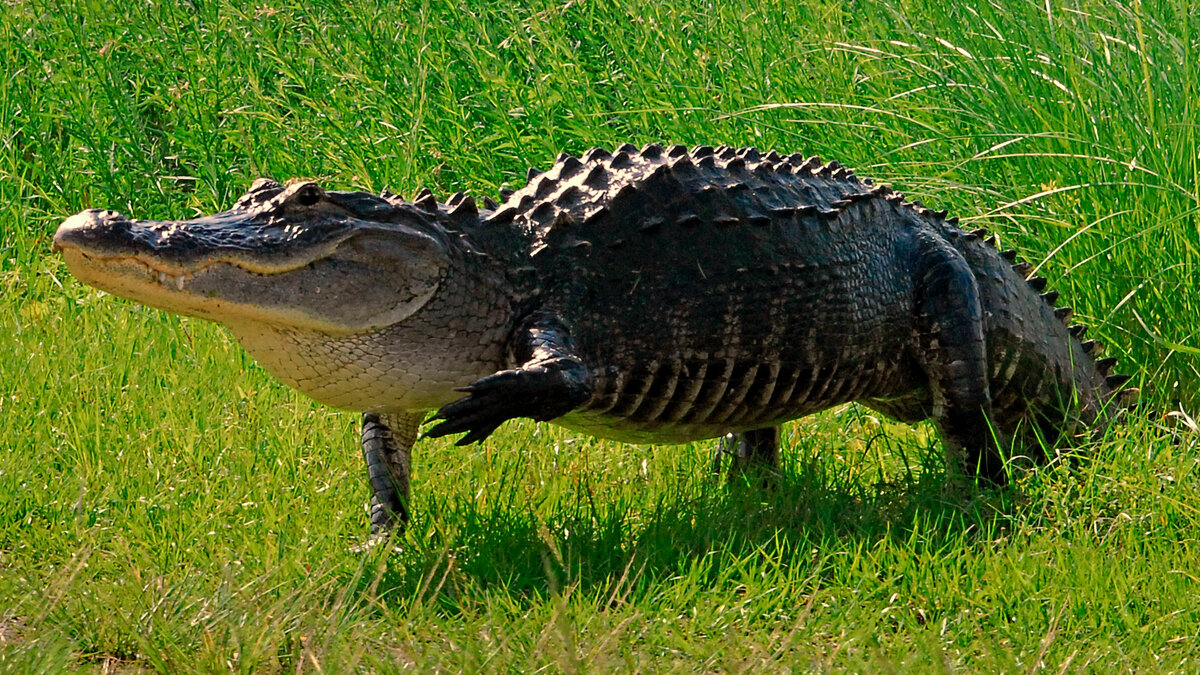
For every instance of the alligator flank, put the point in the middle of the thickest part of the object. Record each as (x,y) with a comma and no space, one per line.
(659,295)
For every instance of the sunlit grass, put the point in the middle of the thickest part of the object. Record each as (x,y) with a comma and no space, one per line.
(166,505)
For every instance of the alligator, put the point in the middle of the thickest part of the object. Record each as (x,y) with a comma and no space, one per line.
(653,295)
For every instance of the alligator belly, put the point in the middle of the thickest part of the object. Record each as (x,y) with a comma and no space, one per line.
(677,402)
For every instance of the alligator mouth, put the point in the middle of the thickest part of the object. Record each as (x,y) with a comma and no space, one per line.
(170,279)
(129,276)
(169,275)
(202,291)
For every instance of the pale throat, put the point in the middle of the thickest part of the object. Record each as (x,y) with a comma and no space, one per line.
(348,372)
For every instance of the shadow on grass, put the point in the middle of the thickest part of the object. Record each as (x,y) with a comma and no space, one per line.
(618,548)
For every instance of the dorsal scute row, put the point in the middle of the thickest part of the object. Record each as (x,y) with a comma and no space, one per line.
(589,190)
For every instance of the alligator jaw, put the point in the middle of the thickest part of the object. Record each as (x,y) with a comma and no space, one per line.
(113,253)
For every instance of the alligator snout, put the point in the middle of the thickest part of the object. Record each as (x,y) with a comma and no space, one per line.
(89,228)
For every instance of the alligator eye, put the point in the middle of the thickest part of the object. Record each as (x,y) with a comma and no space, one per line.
(309,195)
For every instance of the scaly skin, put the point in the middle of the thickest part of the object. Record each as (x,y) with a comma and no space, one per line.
(658,295)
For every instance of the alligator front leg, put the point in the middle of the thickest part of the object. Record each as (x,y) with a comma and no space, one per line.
(387,441)
(551,381)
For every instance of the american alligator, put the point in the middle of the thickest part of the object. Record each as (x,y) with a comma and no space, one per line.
(659,295)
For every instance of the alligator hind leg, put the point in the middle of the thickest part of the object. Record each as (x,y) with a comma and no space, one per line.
(951,349)
(387,441)
(752,450)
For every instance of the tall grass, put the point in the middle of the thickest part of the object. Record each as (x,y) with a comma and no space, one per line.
(165,505)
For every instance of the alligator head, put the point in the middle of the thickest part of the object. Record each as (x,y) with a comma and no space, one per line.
(336,263)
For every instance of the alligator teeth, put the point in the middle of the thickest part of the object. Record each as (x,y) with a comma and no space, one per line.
(172,279)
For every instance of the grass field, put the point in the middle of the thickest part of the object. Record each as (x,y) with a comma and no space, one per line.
(166,506)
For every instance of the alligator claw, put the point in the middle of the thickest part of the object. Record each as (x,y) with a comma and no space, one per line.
(459,417)
(490,402)
(477,435)
(541,392)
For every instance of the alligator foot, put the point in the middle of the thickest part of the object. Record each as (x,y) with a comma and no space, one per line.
(541,391)
(373,542)
(754,451)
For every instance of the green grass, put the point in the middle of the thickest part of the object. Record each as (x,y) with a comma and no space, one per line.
(166,506)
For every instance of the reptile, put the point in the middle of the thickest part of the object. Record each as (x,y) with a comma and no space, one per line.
(652,295)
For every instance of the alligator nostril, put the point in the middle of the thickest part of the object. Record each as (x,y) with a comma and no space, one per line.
(308,195)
